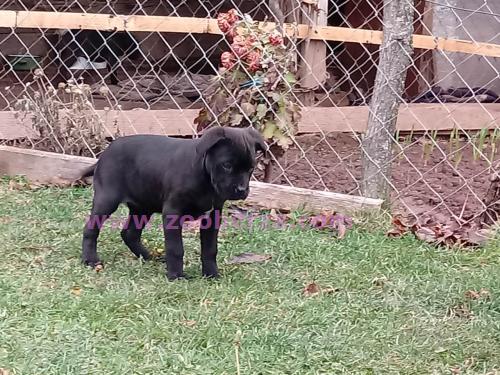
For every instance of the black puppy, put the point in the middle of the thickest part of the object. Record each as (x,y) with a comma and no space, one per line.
(174,177)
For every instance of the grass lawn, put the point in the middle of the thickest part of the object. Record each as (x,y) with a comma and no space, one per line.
(401,306)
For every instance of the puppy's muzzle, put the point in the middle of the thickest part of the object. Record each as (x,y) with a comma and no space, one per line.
(241,192)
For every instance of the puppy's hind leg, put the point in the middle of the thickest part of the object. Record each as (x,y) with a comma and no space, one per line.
(131,234)
(102,208)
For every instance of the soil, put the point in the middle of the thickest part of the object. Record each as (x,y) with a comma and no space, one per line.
(435,184)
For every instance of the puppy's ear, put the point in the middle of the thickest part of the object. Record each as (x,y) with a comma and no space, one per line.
(260,143)
(210,139)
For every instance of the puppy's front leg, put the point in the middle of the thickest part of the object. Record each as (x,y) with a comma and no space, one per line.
(174,248)
(209,230)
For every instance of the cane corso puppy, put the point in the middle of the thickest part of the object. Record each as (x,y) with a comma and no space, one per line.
(179,178)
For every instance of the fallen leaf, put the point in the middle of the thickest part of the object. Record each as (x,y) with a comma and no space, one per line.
(472,294)
(379,281)
(311,289)
(15,185)
(485,293)
(426,235)
(38,260)
(4,371)
(330,290)
(248,258)
(99,268)
(60,182)
(5,219)
(341,230)
(188,323)
(460,311)
(76,291)
(469,362)
(158,251)
(479,237)
(477,295)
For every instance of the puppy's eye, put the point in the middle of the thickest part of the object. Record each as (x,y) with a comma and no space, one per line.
(227,166)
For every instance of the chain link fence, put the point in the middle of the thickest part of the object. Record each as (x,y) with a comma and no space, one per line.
(445,148)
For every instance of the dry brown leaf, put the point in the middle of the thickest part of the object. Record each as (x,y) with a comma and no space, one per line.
(460,311)
(479,237)
(188,323)
(248,258)
(76,291)
(60,182)
(311,289)
(472,294)
(426,235)
(477,295)
(330,290)
(379,281)
(341,230)
(99,268)
(16,185)
(5,219)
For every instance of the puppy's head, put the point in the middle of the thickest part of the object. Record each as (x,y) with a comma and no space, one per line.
(229,157)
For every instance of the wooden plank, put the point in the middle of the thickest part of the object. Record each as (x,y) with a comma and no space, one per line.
(412,117)
(169,24)
(49,167)
(416,117)
(291,198)
(8,18)
(426,62)
(41,166)
(312,70)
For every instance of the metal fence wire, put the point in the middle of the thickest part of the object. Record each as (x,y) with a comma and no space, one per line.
(445,149)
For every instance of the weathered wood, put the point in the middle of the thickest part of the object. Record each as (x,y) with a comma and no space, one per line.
(292,198)
(169,24)
(395,59)
(312,70)
(426,60)
(47,167)
(412,117)
(40,165)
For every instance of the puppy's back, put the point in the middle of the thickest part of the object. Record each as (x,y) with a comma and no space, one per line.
(139,159)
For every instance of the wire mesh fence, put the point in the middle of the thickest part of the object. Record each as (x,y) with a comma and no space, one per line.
(92,85)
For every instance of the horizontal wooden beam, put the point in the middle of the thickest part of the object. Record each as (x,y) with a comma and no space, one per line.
(168,24)
(47,167)
(174,122)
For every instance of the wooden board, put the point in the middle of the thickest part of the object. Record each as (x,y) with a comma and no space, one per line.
(48,167)
(312,71)
(168,24)
(412,117)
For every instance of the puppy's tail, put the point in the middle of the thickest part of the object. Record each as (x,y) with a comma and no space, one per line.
(88,172)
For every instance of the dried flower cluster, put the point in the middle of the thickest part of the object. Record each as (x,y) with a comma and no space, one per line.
(256,83)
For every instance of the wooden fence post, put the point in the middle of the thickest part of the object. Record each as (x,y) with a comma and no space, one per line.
(312,69)
(395,58)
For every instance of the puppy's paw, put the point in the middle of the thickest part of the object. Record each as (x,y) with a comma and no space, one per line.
(177,276)
(145,257)
(210,272)
(95,264)
(211,275)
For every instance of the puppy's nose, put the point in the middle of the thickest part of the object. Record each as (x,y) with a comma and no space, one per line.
(241,189)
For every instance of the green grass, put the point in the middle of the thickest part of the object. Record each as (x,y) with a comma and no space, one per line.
(129,320)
